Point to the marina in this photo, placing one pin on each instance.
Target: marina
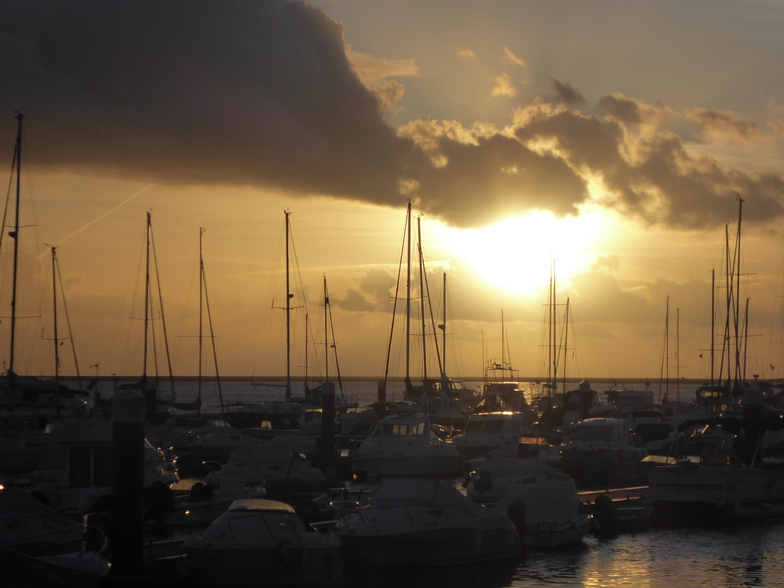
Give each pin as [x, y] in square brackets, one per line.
[663, 551]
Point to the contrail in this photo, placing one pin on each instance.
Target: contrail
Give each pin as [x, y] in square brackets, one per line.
[107, 213]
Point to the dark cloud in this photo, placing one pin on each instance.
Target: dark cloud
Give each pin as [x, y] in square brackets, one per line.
[648, 172]
[724, 122]
[354, 301]
[563, 93]
[233, 92]
[262, 93]
[494, 178]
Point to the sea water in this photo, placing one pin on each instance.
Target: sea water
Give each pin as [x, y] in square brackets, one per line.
[748, 554]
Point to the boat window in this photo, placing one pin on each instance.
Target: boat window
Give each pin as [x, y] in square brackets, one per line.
[473, 427]
[593, 434]
[417, 429]
[388, 429]
[493, 426]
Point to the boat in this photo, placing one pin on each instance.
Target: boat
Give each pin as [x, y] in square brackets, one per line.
[214, 446]
[75, 469]
[39, 547]
[603, 452]
[546, 513]
[490, 430]
[491, 479]
[260, 543]
[425, 522]
[281, 473]
[403, 444]
[626, 515]
[730, 483]
[501, 391]
[445, 400]
[584, 403]
[63, 570]
[279, 414]
[28, 404]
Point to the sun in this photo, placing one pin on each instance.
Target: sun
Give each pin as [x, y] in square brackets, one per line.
[516, 254]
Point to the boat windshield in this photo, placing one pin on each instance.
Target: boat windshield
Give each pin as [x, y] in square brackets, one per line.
[593, 434]
[473, 427]
[493, 427]
[398, 429]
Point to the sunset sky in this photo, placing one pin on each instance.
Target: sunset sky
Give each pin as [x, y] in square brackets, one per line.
[613, 137]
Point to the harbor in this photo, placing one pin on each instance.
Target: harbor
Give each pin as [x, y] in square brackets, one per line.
[360, 293]
[663, 551]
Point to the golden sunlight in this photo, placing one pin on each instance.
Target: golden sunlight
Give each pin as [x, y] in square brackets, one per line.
[516, 253]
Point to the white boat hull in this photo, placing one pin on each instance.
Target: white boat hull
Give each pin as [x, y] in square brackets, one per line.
[734, 491]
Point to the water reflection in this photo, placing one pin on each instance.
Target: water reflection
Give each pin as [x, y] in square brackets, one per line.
[497, 574]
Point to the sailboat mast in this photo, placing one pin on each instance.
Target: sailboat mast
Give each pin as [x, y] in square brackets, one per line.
[306, 351]
[667, 350]
[408, 297]
[326, 332]
[201, 307]
[443, 335]
[503, 343]
[422, 298]
[554, 350]
[288, 313]
[566, 344]
[737, 298]
[713, 323]
[678, 353]
[15, 236]
[54, 315]
[146, 301]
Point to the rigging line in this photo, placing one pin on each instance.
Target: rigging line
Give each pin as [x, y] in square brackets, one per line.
[56, 261]
[163, 319]
[8, 193]
[212, 337]
[441, 365]
[397, 293]
[334, 342]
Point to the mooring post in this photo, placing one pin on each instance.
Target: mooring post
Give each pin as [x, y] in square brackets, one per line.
[127, 537]
[328, 419]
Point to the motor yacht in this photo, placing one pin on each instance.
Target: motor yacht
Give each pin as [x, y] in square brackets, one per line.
[421, 522]
[403, 444]
[259, 543]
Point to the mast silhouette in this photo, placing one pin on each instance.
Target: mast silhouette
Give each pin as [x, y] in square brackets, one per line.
[15, 236]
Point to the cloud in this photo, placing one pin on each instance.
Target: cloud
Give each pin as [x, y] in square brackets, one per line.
[237, 93]
[503, 87]
[563, 93]
[725, 123]
[465, 52]
[267, 94]
[509, 58]
[372, 69]
[646, 172]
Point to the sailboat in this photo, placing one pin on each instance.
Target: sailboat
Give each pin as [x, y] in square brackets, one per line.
[46, 398]
[446, 401]
[151, 389]
[279, 414]
[501, 389]
[731, 482]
